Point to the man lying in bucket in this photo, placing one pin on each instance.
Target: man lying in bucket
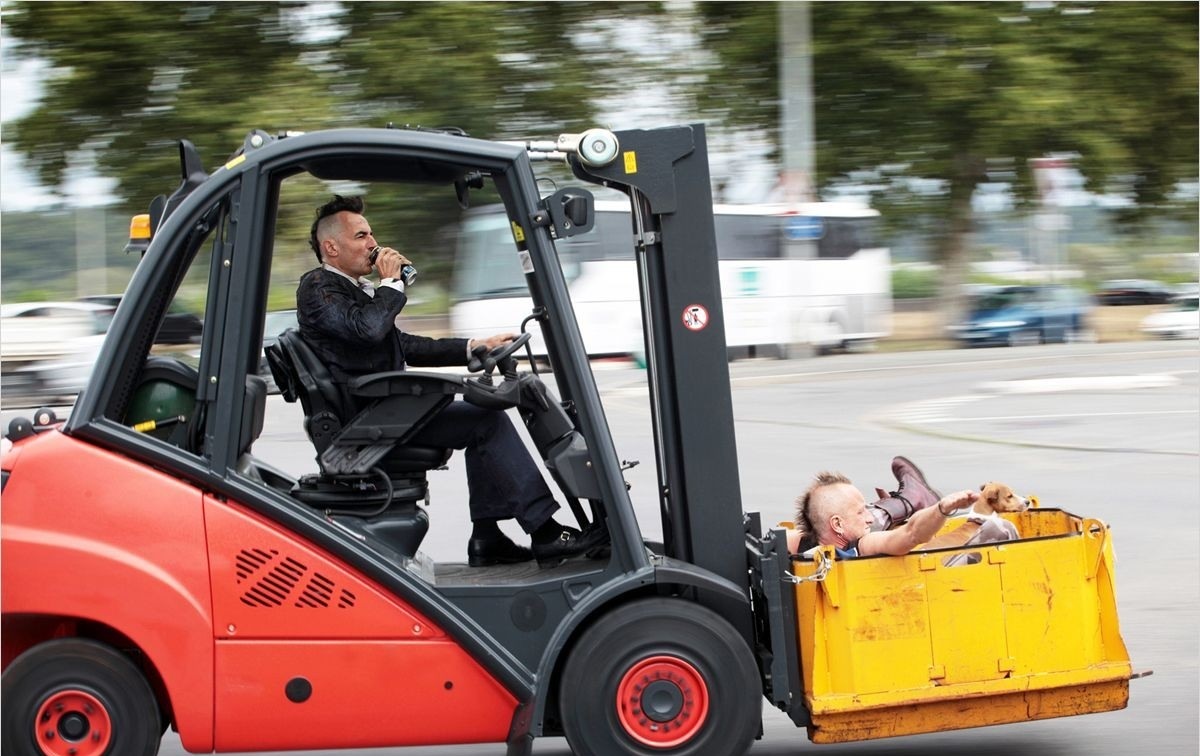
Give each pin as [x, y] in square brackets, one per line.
[833, 512]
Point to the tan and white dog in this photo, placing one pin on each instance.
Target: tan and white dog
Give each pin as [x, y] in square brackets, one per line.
[981, 525]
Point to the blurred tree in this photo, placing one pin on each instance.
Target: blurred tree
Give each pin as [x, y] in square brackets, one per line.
[929, 100]
[120, 97]
[117, 99]
[212, 71]
[495, 70]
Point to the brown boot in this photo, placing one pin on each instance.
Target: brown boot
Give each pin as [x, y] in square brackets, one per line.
[912, 494]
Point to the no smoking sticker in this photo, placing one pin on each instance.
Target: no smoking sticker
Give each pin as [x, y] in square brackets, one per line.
[695, 317]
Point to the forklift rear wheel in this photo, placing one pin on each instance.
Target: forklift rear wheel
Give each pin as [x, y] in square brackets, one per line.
[75, 697]
[661, 676]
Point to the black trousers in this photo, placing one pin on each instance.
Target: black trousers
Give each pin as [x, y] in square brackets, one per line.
[503, 480]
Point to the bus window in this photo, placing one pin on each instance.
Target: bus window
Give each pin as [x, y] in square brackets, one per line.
[748, 237]
[487, 265]
[843, 237]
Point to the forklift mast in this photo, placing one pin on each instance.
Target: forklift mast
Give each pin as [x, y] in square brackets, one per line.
[665, 173]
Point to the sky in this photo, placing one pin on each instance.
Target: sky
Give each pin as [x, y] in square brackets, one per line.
[19, 90]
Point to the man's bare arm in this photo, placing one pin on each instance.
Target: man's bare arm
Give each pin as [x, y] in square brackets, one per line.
[917, 529]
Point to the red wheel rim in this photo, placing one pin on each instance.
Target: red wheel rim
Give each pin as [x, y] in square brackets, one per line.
[662, 702]
[73, 723]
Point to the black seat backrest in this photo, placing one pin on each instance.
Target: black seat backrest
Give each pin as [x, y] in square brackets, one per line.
[300, 374]
[254, 411]
[351, 441]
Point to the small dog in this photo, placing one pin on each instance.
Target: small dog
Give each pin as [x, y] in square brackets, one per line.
[983, 526]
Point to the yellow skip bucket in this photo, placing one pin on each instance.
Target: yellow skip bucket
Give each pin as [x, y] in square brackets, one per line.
[904, 645]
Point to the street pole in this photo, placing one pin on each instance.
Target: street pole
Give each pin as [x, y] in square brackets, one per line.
[796, 145]
[795, 95]
[91, 262]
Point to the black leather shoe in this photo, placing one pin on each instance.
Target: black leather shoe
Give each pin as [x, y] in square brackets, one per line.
[486, 552]
[571, 543]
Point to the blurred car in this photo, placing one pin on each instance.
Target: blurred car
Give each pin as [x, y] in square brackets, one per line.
[1180, 321]
[275, 323]
[1018, 315]
[47, 349]
[1133, 291]
[178, 327]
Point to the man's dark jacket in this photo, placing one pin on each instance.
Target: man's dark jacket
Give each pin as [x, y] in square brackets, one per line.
[354, 333]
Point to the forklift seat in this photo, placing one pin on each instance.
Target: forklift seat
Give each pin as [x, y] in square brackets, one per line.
[254, 412]
[367, 471]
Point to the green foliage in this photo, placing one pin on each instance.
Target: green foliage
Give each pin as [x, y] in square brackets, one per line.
[950, 93]
[40, 254]
[158, 72]
[34, 295]
[915, 283]
[963, 93]
[210, 72]
[939, 89]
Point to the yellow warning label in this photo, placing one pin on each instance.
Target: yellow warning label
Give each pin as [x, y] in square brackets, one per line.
[631, 162]
[518, 232]
[232, 163]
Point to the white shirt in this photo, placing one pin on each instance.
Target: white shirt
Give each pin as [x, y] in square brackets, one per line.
[366, 284]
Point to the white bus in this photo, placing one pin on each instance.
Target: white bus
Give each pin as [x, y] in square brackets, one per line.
[792, 278]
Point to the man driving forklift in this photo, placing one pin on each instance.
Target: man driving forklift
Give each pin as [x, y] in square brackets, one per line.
[350, 323]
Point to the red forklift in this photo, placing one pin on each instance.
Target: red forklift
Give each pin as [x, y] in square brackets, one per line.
[156, 573]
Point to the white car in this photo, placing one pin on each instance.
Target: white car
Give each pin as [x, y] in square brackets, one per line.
[47, 349]
[1181, 320]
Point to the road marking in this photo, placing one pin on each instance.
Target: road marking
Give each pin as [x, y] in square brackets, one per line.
[1082, 383]
[926, 366]
[1058, 416]
[931, 410]
[931, 416]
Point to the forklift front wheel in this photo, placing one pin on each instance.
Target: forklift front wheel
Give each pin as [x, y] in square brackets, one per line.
[660, 676]
[75, 697]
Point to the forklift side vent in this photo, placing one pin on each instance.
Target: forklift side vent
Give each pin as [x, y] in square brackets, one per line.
[274, 581]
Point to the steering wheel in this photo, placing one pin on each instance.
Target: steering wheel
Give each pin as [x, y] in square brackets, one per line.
[496, 355]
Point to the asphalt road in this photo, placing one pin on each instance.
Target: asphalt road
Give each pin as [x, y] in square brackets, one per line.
[1104, 430]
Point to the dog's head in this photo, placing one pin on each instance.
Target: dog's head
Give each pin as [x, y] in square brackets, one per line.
[997, 497]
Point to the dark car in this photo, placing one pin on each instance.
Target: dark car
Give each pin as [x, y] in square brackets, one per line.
[1017, 315]
[178, 327]
[1133, 291]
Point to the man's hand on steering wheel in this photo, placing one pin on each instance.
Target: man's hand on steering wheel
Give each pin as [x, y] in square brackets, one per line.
[491, 342]
[486, 357]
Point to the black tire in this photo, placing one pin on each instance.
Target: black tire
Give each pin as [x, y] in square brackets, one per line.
[701, 674]
[78, 694]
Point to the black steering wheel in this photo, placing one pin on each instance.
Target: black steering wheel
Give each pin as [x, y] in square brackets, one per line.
[497, 355]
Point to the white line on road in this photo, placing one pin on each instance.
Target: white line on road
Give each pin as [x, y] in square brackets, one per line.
[1052, 417]
[1081, 383]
